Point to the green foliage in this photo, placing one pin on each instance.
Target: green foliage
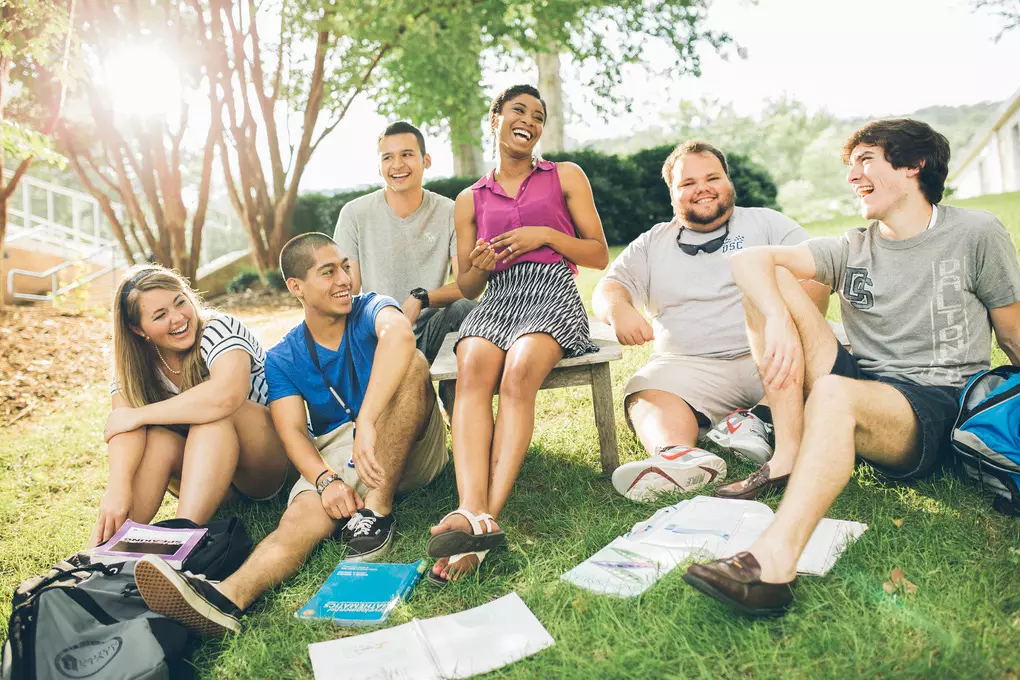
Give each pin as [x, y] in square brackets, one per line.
[244, 280]
[630, 194]
[274, 279]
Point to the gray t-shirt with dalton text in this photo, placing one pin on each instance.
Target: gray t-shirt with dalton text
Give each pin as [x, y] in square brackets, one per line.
[917, 309]
[397, 254]
[694, 303]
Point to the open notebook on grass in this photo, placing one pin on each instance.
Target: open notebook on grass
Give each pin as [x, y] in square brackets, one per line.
[702, 528]
[454, 646]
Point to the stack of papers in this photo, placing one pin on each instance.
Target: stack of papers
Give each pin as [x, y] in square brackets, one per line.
[455, 646]
[702, 528]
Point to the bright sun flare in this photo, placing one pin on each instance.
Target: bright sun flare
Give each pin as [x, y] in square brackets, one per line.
[143, 81]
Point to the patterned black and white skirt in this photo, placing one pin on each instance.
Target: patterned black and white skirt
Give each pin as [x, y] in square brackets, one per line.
[531, 297]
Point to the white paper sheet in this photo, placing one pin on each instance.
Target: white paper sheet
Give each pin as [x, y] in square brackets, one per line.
[390, 654]
[624, 567]
[484, 638]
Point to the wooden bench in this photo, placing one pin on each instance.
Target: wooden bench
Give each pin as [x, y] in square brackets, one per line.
[589, 369]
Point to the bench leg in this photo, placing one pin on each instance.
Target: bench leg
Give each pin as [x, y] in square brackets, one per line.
[605, 418]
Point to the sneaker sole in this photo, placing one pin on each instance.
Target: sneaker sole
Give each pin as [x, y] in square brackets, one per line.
[640, 481]
[373, 555]
[751, 455]
[166, 593]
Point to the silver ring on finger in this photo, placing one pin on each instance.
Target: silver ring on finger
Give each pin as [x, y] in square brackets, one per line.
[510, 248]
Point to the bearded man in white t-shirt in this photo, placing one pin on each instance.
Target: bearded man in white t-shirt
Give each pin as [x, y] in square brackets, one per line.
[702, 372]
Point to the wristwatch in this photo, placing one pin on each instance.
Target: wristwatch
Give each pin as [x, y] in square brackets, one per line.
[422, 296]
[321, 485]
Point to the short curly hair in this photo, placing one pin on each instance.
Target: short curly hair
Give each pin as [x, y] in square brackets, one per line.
[508, 94]
[908, 143]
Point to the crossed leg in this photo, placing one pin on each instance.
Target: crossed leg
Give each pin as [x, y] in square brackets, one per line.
[817, 441]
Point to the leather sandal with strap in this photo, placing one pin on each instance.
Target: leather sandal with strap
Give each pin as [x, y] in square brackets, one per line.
[456, 541]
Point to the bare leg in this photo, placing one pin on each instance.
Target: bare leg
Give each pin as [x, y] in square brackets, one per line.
[819, 346]
[842, 416]
[303, 526]
[216, 453]
[528, 362]
[479, 367]
[661, 418]
[161, 460]
[401, 423]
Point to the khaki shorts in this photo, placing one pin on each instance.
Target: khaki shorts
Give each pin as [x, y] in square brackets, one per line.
[427, 459]
[713, 387]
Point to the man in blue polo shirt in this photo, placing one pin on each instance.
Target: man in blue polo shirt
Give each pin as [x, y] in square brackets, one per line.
[354, 407]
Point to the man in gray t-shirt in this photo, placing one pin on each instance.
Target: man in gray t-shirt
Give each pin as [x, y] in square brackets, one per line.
[702, 369]
[920, 290]
[402, 242]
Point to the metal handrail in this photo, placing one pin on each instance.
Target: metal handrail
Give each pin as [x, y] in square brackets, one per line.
[52, 273]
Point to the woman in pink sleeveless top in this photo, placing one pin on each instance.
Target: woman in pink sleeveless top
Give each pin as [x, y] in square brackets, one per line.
[522, 231]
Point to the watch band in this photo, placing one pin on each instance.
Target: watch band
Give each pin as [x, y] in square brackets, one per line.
[322, 483]
[422, 296]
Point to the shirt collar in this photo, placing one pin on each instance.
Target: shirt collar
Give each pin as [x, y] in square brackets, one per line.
[489, 180]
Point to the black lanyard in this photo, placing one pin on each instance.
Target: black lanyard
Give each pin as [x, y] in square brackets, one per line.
[356, 388]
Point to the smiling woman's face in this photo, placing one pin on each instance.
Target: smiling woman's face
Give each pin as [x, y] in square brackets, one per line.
[521, 123]
[168, 318]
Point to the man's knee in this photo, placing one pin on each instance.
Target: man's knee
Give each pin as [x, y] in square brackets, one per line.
[417, 369]
[305, 522]
[831, 395]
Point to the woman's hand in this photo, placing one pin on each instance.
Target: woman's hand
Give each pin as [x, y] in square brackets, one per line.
[113, 512]
[483, 256]
[121, 420]
[519, 241]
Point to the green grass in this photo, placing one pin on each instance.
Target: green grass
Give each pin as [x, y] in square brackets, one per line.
[964, 620]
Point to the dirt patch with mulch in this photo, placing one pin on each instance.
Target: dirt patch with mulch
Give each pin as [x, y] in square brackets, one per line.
[46, 353]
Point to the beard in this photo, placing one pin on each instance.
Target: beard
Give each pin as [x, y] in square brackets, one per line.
[690, 215]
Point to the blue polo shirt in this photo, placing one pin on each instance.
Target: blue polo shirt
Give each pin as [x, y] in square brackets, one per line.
[290, 371]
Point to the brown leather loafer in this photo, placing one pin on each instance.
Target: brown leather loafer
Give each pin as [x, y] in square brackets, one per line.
[755, 485]
[736, 581]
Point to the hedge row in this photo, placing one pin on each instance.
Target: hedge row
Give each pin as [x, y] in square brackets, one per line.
[629, 192]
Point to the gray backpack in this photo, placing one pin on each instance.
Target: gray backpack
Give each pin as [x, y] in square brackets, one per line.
[88, 621]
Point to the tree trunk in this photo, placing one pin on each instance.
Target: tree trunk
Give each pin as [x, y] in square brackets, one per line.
[467, 148]
[551, 86]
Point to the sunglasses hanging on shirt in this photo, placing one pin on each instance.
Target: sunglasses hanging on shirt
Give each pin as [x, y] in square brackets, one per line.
[708, 246]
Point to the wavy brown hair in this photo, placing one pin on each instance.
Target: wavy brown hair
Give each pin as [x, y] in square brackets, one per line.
[135, 364]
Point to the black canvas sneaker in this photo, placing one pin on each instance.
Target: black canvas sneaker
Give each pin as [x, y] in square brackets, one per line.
[368, 536]
[188, 599]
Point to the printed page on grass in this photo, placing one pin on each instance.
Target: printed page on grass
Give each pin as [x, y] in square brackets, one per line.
[484, 638]
[700, 526]
[396, 653]
[624, 568]
[827, 543]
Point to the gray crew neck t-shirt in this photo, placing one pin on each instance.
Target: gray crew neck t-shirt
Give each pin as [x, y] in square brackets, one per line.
[398, 254]
[917, 309]
[694, 304]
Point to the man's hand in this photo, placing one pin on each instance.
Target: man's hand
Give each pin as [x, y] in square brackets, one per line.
[369, 470]
[341, 501]
[411, 309]
[516, 242]
[631, 328]
[119, 421]
[483, 256]
[113, 512]
[784, 355]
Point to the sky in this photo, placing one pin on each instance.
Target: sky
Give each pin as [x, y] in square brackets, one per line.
[860, 58]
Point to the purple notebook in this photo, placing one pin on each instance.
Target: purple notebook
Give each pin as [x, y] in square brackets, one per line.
[134, 541]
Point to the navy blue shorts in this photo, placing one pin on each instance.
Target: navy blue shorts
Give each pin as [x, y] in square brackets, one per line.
[934, 406]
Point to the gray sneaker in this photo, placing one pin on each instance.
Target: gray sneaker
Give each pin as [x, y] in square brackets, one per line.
[746, 435]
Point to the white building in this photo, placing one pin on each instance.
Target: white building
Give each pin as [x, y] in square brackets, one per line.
[991, 163]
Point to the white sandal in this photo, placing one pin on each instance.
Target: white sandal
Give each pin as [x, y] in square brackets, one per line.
[457, 541]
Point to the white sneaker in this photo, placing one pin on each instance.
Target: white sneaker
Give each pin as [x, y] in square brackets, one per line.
[673, 468]
[746, 435]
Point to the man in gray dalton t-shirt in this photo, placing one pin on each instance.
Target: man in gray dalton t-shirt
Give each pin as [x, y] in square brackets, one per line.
[920, 290]
[402, 242]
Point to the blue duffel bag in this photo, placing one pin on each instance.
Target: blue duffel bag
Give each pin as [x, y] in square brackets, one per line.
[986, 436]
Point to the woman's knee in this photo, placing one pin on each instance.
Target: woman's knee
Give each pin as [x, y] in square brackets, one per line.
[519, 381]
[477, 372]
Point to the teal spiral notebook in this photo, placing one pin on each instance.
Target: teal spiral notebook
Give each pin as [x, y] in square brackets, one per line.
[362, 593]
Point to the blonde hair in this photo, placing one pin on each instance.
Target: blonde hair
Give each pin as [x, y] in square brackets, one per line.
[134, 360]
